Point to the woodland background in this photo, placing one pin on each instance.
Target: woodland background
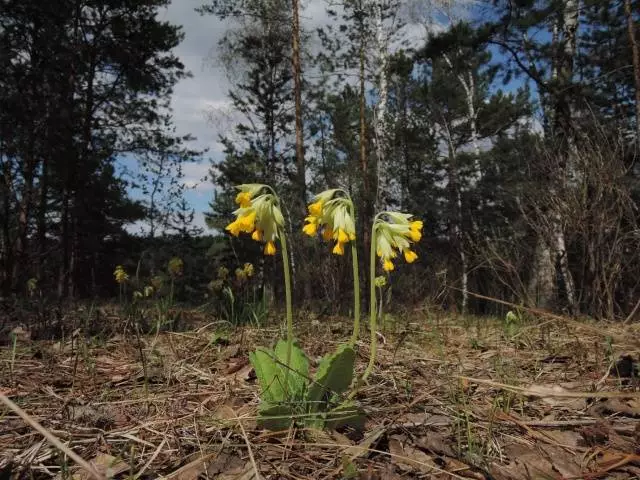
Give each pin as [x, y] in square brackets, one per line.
[510, 127]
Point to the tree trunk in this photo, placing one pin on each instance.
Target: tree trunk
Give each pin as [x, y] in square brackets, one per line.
[469, 87]
[381, 108]
[364, 164]
[456, 232]
[635, 56]
[542, 281]
[297, 92]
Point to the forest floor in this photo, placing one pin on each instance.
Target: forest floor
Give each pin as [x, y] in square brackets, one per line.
[541, 398]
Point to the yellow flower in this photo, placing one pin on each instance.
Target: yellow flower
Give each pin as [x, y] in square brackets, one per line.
[327, 234]
[244, 199]
[248, 269]
[387, 265]
[416, 225]
[410, 256]
[259, 215]
[175, 266]
[270, 248]
[247, 222]
[120, 275]
[315, 209]
[342, 236]
[414, 235]
[241, 275]
[311, 228]
[338, 249]
[234, 228]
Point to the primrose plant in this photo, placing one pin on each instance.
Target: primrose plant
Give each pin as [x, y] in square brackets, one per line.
[287, 390]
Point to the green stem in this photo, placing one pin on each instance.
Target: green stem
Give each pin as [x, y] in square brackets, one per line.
[287, 293]
[356, 286]
[372, 303]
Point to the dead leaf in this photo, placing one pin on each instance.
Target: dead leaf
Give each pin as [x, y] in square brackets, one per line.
[363, 447]
[436, 443]
[105, 464]
[191, 470]
[552, 395]
[408, 457]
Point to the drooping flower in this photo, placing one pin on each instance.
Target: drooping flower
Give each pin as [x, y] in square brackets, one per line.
[120, 275]
[332, 213]
[175, 266]
[259, 215]
[248, 269]
[223, 272]
[270, 248]
[394, 233]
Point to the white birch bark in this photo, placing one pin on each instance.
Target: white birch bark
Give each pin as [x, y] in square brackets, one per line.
[380, 131]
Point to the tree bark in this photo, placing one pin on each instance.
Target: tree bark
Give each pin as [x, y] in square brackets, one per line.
[297, 92]
[381, 107]
[635, 56]
[364, 164]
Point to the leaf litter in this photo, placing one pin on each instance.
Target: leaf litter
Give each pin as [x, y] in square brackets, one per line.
[551, 401]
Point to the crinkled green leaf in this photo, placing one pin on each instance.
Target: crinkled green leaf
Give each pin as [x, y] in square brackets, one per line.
[274, 416]
[298, 370]
[347, 414]
[269, 374]
[333, 377]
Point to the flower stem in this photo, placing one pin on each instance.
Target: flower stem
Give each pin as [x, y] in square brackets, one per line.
[356, 286]
[287, 293]
[372, 304]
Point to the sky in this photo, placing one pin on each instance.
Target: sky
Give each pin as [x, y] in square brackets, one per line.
[200, 103]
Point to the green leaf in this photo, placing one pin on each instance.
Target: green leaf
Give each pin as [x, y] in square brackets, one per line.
[274, 417]
[270, 375]
[298, 370]
[334, 376]
[346, 415]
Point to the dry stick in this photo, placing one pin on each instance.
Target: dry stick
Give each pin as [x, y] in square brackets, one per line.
[246, 440]
[632, 314]
[550, 394]
[51, 438]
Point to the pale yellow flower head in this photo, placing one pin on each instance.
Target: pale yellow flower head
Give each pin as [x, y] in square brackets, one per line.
[175, 266]
[259, 215]
[120, 275]
[331, 213]
[395, 233]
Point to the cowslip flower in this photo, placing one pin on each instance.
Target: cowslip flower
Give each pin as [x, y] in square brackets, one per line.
[259, 215]
[332, 213]
[120, 275]
[175, 267]
[394, 235]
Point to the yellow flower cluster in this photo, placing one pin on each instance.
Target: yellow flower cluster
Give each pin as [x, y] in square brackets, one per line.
[244, 273]
[259, 215]
[175, 267]
[120, 275]
[332, 215]
[396, 232]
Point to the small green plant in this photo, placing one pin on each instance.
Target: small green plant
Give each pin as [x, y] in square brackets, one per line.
[512, 323]
[313, 402]
[288, 393]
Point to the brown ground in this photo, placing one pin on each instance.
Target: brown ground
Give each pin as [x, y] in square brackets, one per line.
[450, 398]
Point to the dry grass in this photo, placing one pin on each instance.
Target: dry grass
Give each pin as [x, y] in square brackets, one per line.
[450, 398]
